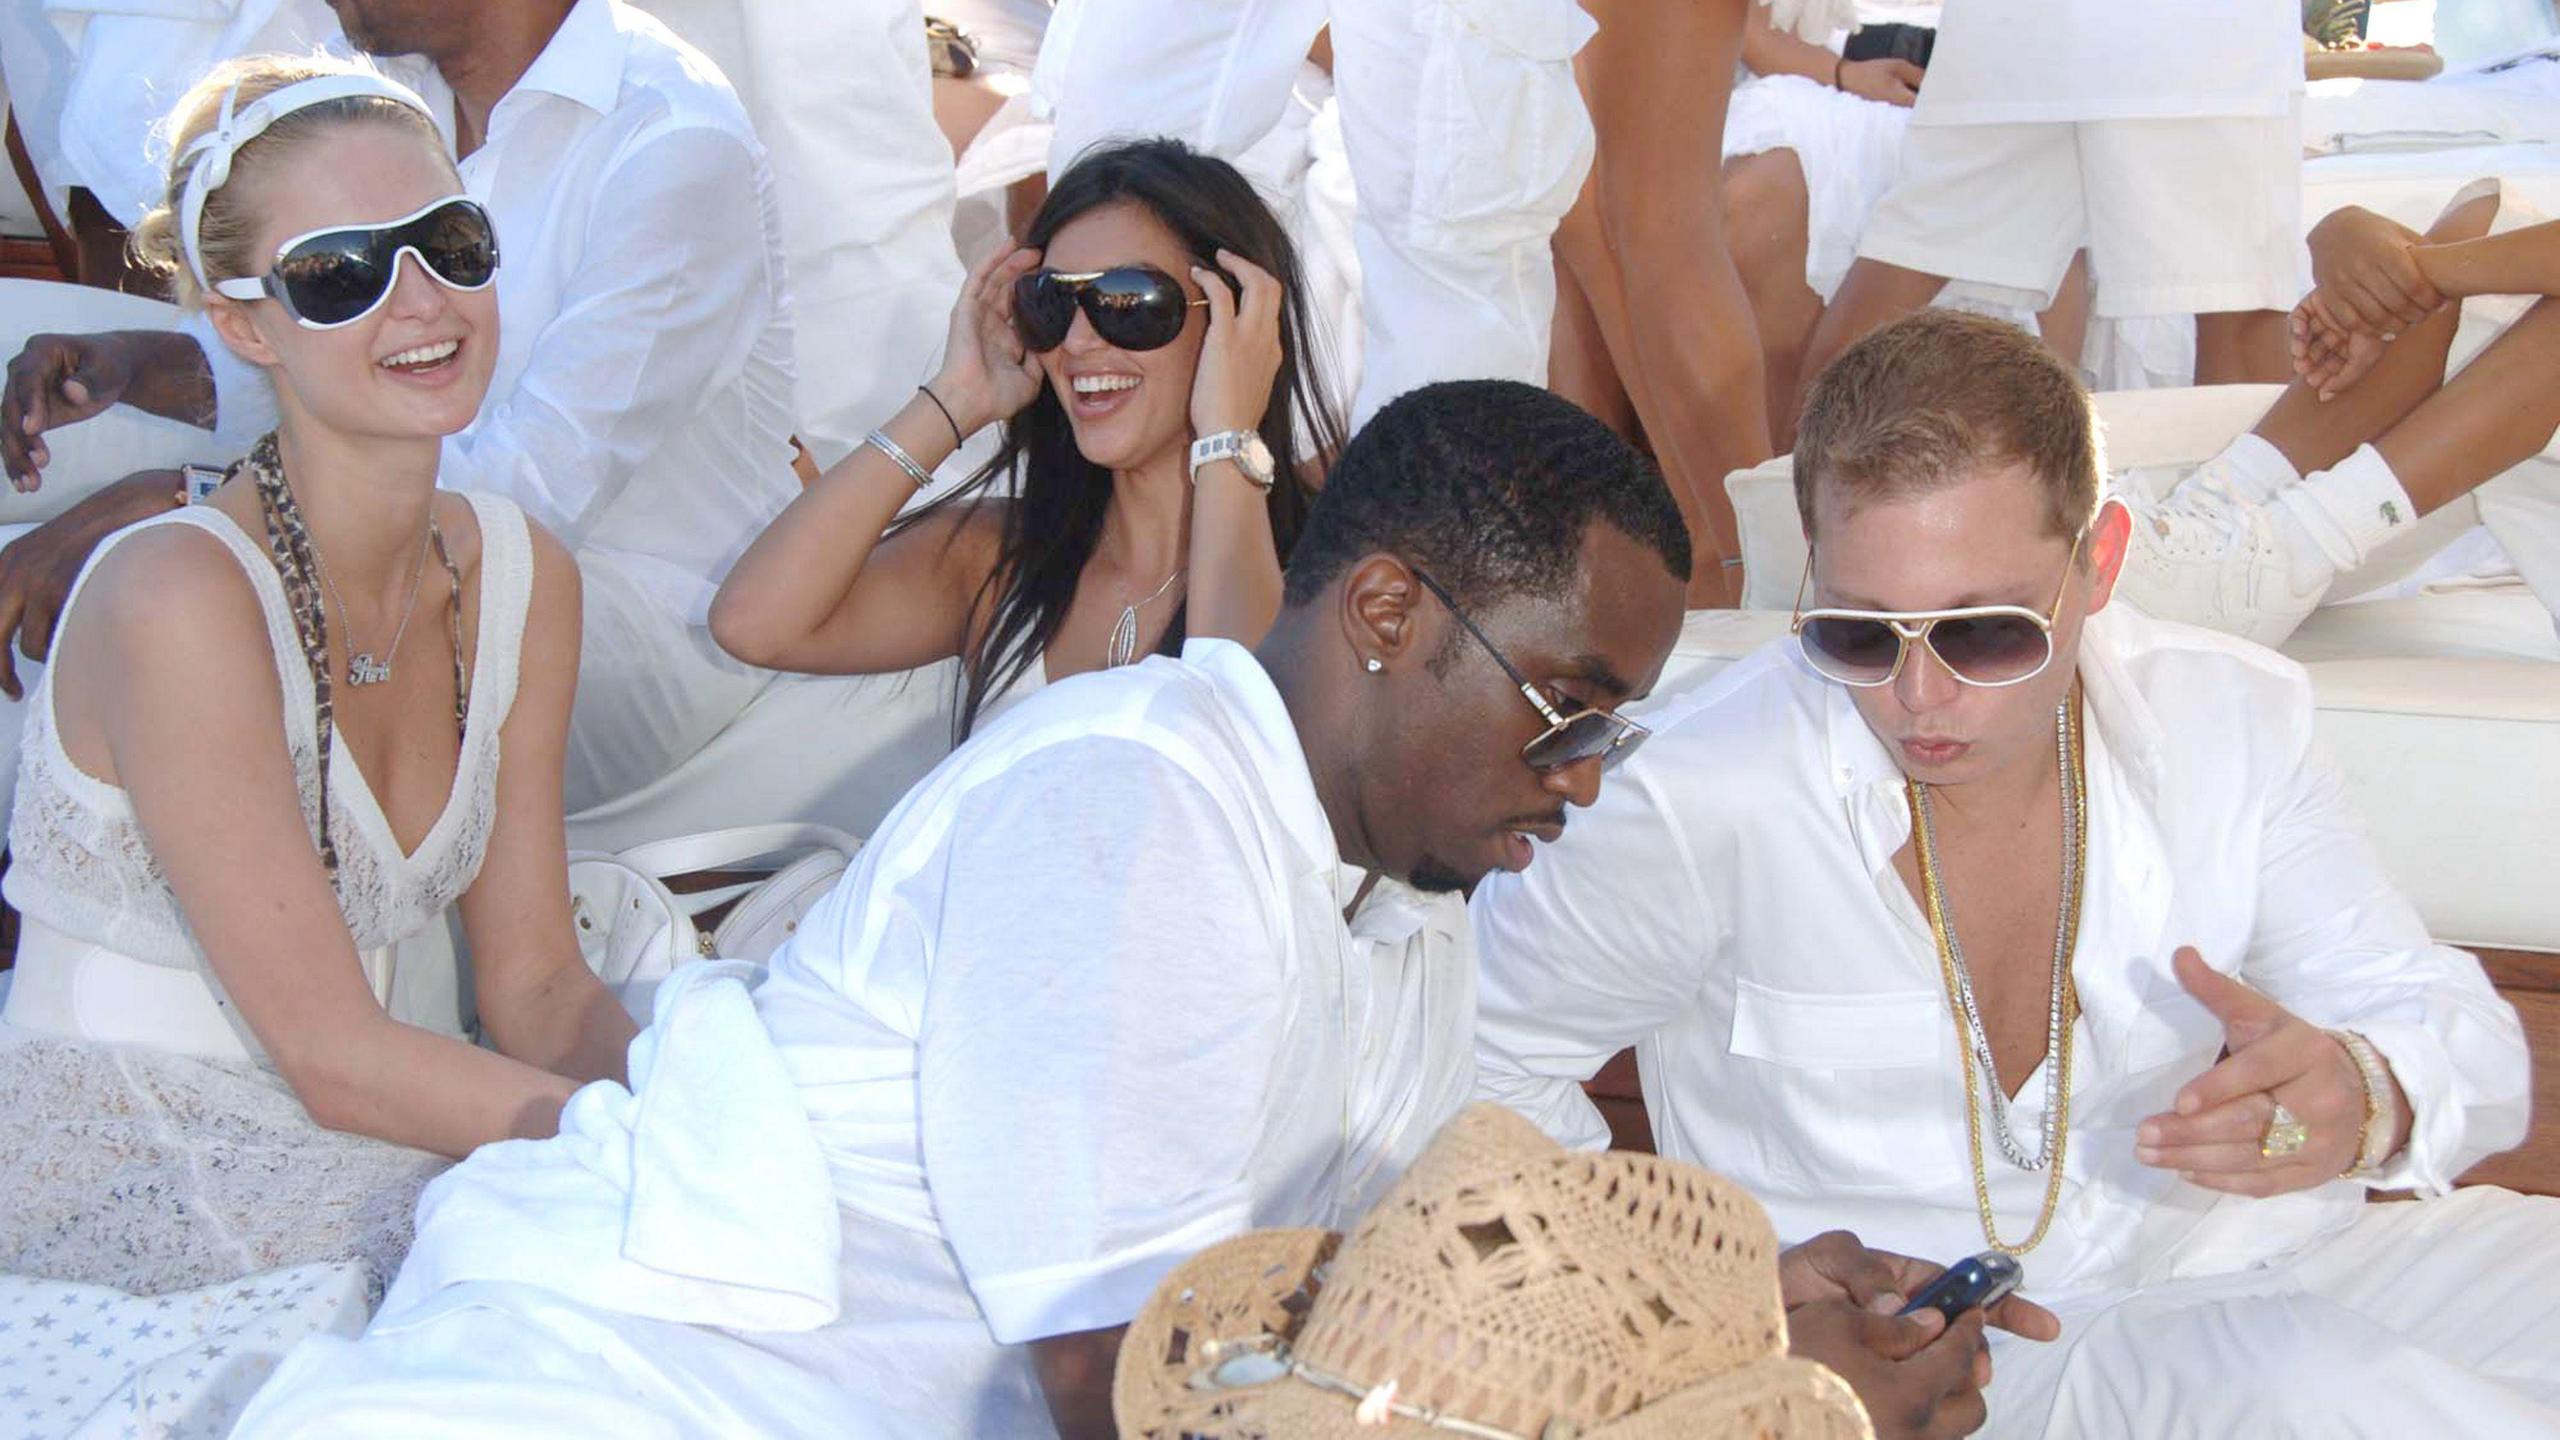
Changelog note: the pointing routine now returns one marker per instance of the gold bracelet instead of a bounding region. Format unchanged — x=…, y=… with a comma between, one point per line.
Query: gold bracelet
x=2381, y=1115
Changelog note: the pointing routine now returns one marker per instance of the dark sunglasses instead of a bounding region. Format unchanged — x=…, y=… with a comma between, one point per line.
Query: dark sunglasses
x=1984, y=645
x=1135, y=307
x=1570, y=737
x=328, y=278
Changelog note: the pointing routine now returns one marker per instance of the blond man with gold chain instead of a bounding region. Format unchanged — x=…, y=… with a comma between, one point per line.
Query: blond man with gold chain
x=1981, y=914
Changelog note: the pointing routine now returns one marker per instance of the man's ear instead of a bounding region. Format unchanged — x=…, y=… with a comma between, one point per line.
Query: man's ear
x=1381, y=605
x=230, y=320
x=2110, y=538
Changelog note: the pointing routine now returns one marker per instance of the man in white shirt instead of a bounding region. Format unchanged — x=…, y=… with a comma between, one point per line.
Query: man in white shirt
x=1128, y=974
x=2103, y=835
x=642, y=405
x=2168, y=144
x=1467, y=140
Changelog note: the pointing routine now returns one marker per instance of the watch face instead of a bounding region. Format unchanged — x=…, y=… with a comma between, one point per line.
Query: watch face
x=1256, y=457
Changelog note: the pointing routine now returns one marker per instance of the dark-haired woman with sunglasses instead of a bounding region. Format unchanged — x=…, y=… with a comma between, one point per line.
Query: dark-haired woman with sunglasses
x=1148, y=351
x=284, y=729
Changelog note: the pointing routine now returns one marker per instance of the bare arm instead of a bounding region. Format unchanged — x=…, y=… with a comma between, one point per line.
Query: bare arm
x=1235, y=562
x=2520, y=262
x=1075, y=1377
x=1769, y=50
x=166, y=688
x=537, y=998
x=819, y=591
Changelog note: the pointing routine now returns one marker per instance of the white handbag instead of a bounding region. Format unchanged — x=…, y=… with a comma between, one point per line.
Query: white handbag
x=634, y=931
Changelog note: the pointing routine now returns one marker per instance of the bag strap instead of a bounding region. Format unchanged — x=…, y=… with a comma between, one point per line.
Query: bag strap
x=725, y=849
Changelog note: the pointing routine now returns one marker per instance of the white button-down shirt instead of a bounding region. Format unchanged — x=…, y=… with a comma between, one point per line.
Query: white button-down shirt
x=1088, y=1004
x=642, y=403
x=1730, y=907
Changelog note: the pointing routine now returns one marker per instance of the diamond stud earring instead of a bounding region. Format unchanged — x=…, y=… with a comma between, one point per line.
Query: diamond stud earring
x=1375, y=665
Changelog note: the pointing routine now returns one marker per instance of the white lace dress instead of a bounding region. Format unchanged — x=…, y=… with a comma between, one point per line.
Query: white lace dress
x=146, y=1146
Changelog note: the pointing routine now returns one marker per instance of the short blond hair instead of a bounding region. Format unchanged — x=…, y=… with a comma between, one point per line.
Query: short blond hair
x=1934, y=397
x=229, y=226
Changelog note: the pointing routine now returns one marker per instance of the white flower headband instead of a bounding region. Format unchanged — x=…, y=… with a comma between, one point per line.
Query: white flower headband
x=208, y=156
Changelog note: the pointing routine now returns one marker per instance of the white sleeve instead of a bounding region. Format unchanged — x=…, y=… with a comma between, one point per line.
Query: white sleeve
x=674, y=253
x=1099, y=1033
x=2336, y=944
x=244, y=399
x=1602, y=940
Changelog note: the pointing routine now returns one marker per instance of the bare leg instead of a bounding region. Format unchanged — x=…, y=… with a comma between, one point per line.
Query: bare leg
x=2501, y=410
x=1874, y=295
x=1578, y=364
x=2314, y=435
x=1583, y=252
x=1768, y=218
x=2242, y=347
x=2065, y=323
x=1658, y=77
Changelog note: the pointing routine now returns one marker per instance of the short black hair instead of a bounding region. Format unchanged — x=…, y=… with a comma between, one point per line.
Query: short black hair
x=1489, y=485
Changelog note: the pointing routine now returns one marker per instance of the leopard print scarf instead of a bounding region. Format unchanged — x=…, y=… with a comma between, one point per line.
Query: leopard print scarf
x=297, y=563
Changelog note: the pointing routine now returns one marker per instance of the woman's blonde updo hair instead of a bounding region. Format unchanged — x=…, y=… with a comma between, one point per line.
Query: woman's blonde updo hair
x=229, y=227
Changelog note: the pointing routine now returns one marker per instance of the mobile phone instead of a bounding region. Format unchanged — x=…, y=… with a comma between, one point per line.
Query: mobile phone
x=1891, y=41
x=1970, y=1284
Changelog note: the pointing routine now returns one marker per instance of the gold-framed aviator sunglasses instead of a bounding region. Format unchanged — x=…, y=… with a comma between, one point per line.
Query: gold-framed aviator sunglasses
x=1571, y=737
x=1983, y=645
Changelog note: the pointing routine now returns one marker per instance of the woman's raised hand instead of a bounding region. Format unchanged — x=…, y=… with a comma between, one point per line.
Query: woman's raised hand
x=1241, y=356
x=987, y=375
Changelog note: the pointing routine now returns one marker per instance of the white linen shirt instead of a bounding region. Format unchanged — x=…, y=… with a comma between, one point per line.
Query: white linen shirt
x=1087, y=1003
x=641, y=407
x=1730, y=907
x=2001, y=62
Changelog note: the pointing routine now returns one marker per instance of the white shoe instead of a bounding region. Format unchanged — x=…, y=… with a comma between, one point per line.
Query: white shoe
x=2205, y=557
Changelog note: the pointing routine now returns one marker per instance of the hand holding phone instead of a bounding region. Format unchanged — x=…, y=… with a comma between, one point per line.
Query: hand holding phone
x=1977, y=1282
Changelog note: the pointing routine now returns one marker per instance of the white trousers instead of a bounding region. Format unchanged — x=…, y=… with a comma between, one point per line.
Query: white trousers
x=2423, y=1318
x=842, y=97
x=1467, y=138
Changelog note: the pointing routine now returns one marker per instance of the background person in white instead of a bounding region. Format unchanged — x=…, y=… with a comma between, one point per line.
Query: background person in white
x=1123, y=977
x=1745, y=906
x=2170, y=147
x=642, y=405
x=1466, y=137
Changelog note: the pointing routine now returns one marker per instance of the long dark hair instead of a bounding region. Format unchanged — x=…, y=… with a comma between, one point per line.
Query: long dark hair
x=1054, y=520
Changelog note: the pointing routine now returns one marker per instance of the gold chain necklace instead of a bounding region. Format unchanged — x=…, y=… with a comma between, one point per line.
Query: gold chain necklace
x=2074, y=768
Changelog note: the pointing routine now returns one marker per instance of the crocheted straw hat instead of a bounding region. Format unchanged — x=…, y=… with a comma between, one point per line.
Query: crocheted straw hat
x=1509, y=1290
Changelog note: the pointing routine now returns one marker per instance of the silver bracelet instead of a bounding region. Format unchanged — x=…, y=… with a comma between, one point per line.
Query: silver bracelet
x=897, y=453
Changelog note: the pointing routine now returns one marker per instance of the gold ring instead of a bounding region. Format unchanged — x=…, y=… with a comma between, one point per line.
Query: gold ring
x=2285, y=1137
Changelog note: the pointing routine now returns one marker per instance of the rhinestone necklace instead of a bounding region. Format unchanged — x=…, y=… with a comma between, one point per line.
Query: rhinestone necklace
x=1973, y=1043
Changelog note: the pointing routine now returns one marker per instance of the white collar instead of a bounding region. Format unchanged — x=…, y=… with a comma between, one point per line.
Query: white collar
x=583, y=63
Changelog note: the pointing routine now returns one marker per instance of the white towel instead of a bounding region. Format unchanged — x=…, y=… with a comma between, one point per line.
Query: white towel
x=701, y=1199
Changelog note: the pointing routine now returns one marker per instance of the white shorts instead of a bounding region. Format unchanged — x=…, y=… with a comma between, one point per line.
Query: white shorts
x=2180, y=216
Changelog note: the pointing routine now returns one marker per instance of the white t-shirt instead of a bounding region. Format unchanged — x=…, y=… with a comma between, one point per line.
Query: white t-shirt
x=1730, y=907
x=2009, y=61
x=1088, y=1004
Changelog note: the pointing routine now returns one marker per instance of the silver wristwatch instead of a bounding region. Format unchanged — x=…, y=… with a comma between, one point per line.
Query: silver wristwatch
x=1243, y=447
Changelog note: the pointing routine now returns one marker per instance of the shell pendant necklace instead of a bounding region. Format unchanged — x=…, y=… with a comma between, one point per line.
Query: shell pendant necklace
x=1124, y=636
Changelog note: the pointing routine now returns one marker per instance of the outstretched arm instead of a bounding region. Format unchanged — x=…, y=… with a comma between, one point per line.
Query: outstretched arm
x=820, y=590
